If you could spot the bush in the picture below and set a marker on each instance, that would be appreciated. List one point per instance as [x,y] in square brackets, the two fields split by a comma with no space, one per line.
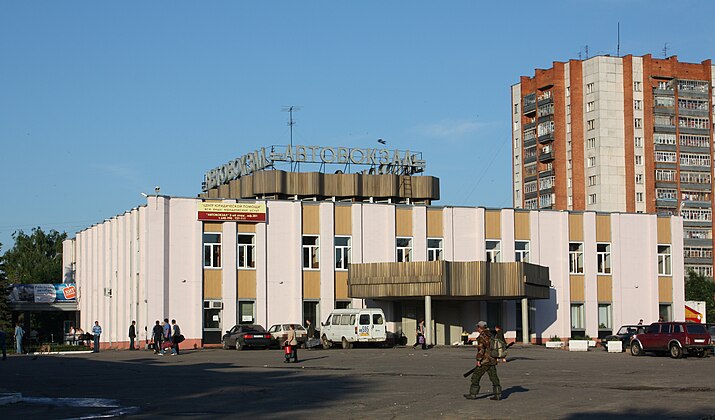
[555,338]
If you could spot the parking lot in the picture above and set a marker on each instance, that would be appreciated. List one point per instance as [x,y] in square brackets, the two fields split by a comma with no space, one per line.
[358,383]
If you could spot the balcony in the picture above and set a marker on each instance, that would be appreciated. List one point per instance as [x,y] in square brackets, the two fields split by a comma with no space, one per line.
[546,156]
[528,104]
[693,112]
[546,138]
[529,159]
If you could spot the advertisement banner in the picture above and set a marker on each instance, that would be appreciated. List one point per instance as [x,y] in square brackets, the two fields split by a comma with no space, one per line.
[43,293]
[231,212]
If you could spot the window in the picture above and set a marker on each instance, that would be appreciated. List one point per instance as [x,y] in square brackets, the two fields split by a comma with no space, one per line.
[530,187]
[638,142]
[404,249]
[697,233]
[592,180]
[692,140]
[665,175]
[665,157]
[666,194]
[577,320]
[246,250]
[343,304]
[246,312]
[703,270]
[604,317]
[377,319]
[546,200]
[694,159]
[663,85]
[639,178]
[639,160]
[590,143]
[603,258]
[695,177]
[639,197]
[311,247]
[664,121]
[576,258]
[590,124]
[591,162]
[698,252]
[521,251]
[592,199]
[636,86]
[664,101]
[663,138]
[589,88]
[590,106]
[665,310]
[531,203]
[343,247]
[516,108]
[698,215]
[212,250]
[664,263]
[702,123]
[493,251]
[638,122]
[693,85]
[435,249]
[364,319]
[545,128]
[546,183]
[568,91]
[568,109]
[637,104]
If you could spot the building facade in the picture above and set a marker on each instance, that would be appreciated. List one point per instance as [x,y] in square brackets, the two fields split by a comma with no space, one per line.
[160,260]
[626,134]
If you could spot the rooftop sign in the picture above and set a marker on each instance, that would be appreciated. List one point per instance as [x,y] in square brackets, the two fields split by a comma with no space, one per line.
[381,161]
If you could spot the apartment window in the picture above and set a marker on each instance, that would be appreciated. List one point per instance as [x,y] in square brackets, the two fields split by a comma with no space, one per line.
[591,143]
[603,258]
[516,142]
[311,248]
[516,108]
[592,180]
[665,157]
[531,203]
[639,197]
[590,124]
[546,183]
[604,317]
[693,104]
[590,106]
[638,142]
[435,249]
[545,128]
[666,194]
[664,261]
[568,109]
[695,195]
[589,88]
[639,160]
[516,160]
[546,200]
[696,215]
[663,85]
[568,91]
[636,86]
[703,270]
[665,175]
[693,85]
[664,139]
[638,122]
[694,159]
[694,122]
[343,249]
[516,125]
[521,251]
[530,187]
[664,121]
[592,199]
[577,320]
[637,104]
[698,252]
[246,312]
[493,251]
[692,140]
[246,245]
[694,177]
[404,249]
[639,178]
[576,258]
[697,233]
[591,162]
[664,101]
[212,250]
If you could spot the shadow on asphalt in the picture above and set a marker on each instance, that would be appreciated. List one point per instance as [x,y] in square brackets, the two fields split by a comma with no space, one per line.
[506,393]
[636,414]
[311,358]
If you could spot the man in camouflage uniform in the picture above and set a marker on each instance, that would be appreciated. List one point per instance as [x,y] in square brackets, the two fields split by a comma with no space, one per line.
[485,364]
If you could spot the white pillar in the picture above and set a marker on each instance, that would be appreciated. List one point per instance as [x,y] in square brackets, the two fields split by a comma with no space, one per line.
[428,320]
[525,336]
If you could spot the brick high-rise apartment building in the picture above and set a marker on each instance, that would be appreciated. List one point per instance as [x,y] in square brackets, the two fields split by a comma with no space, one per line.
[627,134]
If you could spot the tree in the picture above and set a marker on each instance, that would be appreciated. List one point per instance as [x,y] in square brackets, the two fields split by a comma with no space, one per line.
[5,313]
[701,288]
[35,258]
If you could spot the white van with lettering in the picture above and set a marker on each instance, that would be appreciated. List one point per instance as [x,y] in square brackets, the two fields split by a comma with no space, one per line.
[349,326]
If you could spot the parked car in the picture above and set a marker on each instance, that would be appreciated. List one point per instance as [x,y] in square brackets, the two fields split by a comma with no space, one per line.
[624,334]
[279,333]
[711,329]
[243,336]
[674,338]
[349,326]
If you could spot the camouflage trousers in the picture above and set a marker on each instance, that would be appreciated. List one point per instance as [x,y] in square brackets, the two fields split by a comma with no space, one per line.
[489,370]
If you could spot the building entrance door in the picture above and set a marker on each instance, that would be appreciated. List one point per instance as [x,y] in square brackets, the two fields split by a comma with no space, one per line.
[212,322]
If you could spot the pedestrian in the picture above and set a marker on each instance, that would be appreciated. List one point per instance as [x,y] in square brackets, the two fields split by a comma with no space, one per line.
[132,335]
[166,335]
[640,322]
[499,335]
[486,363]
[175,337]
[97,331]
[19,333]
[3,344]
[310,328]
[156,333]
[293,343]
[420,339]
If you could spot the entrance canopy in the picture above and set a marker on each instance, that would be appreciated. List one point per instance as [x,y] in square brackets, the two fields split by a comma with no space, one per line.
[449,279]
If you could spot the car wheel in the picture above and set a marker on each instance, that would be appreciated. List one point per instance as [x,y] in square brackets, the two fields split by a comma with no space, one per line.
[675,351]
[700,353]
[224,344]
[326,343]
[636,349]
[239,346]
[346,344]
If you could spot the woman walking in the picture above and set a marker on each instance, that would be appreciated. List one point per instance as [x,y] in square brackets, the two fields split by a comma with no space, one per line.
[421,335]
[293,343]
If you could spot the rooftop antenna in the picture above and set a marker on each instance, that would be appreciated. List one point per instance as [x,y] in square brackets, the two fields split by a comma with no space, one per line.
[618,47]
[586,52]
[291,122]
[665,50]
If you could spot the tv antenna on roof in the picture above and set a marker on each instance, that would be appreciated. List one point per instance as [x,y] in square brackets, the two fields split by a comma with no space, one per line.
[618,46]
[291,122]
[665,50]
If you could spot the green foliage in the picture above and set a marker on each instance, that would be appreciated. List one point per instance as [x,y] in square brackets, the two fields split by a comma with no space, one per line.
[5,313]
[35,258]
[555,338]
[701,288]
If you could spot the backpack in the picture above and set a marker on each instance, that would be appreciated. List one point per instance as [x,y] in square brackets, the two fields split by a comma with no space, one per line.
[497,348]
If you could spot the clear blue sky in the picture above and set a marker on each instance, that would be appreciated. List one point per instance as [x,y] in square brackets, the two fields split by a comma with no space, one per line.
[100,101]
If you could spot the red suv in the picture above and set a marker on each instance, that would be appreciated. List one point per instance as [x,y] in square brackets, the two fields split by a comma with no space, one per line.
[674,338]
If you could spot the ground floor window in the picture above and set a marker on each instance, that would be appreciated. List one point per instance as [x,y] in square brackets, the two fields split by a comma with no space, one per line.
[665,312]
[578,324]
[605,323]
[311,311]
[246,312]
[343,304]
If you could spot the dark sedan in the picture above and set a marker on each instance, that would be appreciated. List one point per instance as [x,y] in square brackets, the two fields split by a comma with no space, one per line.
[624,334]
[246,336]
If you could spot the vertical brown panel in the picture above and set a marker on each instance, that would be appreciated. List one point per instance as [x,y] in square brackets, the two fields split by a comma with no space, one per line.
[343,220]
[212,284]
[435,222]
[311,284]
[522,229]
[665,289]
[492,224]
[578,293]
[603,228]
[246,284]
[664,236]
[311,219]
[605,289]
[577,134]
[341,285]
[576,227]
[403,221]
[629,144]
